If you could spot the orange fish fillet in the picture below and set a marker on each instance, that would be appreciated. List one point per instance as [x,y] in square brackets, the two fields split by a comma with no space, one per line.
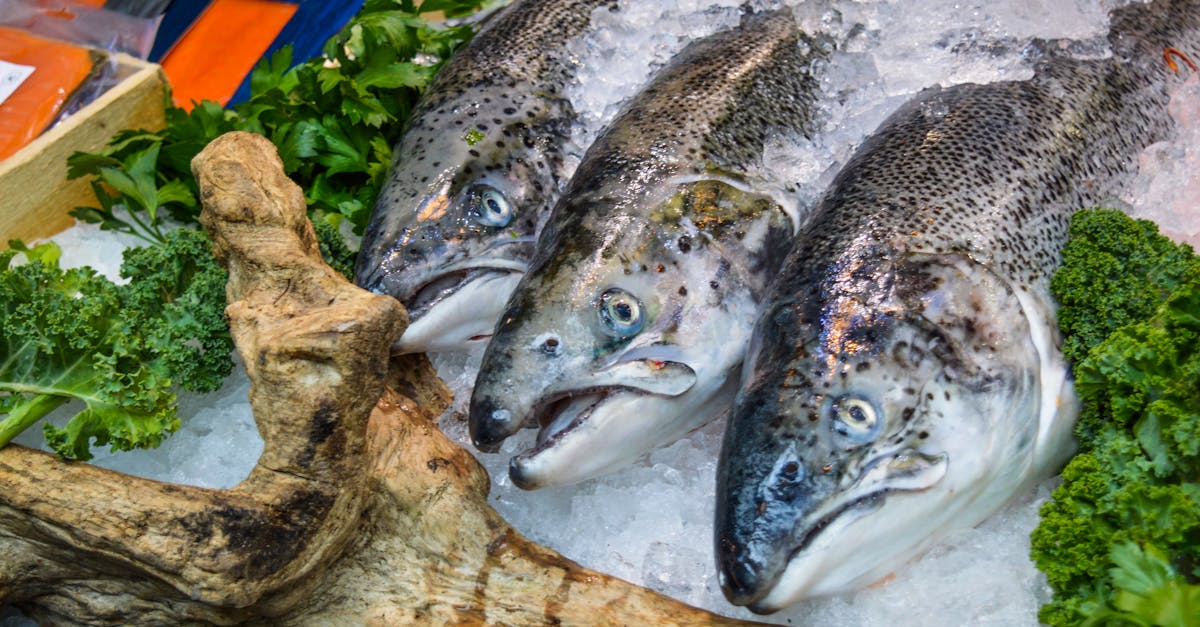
[59,68]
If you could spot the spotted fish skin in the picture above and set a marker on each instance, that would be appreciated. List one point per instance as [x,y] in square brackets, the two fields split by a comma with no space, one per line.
[628,329]
[475,175]
[905,377]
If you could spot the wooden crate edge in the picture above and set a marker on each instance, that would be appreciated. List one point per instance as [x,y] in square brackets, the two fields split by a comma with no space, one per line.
[34,182]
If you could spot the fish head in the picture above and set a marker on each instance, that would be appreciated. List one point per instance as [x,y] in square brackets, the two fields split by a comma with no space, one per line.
[892,398]
[453,227]
[621,346]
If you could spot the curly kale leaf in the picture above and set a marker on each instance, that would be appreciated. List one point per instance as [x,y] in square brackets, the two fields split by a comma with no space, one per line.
[1145,380]
[334,249]
[65,336]
[1120,539]
[74,335]
[176,294]
[1115,271]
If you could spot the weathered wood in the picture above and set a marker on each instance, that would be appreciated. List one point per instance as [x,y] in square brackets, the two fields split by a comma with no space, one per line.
[358,512]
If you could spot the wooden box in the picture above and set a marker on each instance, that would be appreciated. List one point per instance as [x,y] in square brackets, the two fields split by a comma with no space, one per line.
[35,195]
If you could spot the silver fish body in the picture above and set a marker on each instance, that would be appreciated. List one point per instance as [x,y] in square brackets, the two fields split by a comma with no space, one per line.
[906,378]
[475,175]
[628,329]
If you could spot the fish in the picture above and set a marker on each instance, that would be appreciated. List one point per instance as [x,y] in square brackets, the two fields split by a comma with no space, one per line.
[628,330]
[905,377]
[475,174]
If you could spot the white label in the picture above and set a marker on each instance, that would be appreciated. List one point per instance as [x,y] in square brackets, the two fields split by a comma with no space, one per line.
[11,77]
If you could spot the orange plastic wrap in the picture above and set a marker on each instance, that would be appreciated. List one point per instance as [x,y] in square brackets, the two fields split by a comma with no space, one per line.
[221,47]
[59,68]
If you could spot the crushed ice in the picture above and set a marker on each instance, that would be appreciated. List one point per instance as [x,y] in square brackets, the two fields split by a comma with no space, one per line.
[651,523]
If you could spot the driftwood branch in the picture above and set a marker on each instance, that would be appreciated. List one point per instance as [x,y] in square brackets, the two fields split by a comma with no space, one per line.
[358,512]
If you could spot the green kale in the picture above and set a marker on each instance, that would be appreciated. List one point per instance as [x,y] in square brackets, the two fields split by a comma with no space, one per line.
[333,247]
[74,335]
[176,296]
[1115,271]
[334,120]
[71,334]
[1120,539]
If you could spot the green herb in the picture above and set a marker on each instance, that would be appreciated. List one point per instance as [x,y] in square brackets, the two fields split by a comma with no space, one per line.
[473,136]
[334,120]
[1120,539]
[72,334]
[334,249]
[1115,271]
[176,299]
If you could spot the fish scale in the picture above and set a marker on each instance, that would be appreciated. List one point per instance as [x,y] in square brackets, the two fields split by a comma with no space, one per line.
[667,214]
[918,297]
[493,124]
[517,46]
[720,120]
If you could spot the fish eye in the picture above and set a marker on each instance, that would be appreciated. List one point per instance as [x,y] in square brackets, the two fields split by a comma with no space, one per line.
[621,314]
[854,418]
[487,206]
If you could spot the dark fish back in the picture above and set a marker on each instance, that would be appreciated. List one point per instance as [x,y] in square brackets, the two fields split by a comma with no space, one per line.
[525,42]
[995,171]
[710,111]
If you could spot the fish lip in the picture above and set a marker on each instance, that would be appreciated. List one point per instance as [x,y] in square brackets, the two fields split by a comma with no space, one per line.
[587,400]
[751,602]
[428,294]
[873,499]
[538,415]
[814,530]
[544,414]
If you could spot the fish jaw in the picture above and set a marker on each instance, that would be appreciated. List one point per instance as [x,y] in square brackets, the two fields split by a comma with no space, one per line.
[938,353]
[462,316]
[601,433]
[494,421]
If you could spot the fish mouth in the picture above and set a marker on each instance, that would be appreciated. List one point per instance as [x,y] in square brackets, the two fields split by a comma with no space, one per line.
[745,584]
[450,281]
[559,416]
[757,602]
[435,290]
[873,500]
[458,308]
[590,424]
[567,422]
[561,412]
[919,473]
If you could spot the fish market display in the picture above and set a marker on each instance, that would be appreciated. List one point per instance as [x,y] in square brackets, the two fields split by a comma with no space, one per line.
[628,329]
[905,377]
[475,175]
[651,523]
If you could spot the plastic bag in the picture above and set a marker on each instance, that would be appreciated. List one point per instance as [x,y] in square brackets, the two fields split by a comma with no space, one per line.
[42,75]
[80,23]
[57,56]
